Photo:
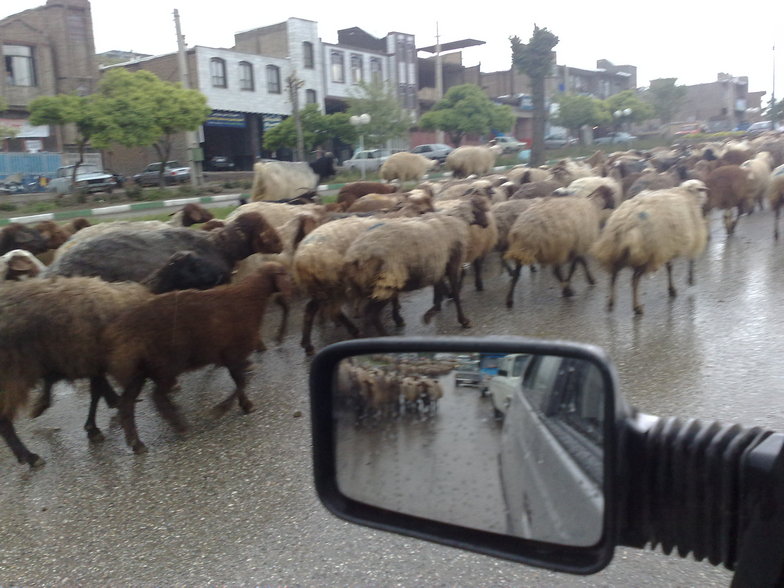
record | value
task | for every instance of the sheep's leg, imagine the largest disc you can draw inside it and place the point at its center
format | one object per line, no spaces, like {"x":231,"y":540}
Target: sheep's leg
{"x":346,"y":322}
{"x":45,"y":400}
{"x":613,"y":280}
{"x":396,"y":316}
{"x":453,"y":279}
{"x":23,"y":455}
{"x":99,"y":388}
{"x":505,"y":265}
{"x":126,"y":408}
{"x":731,"y":220}
{"x":311,"y":308}
{"x":478,"y":284}
{"x":439,"y":292}
{"x":691,"y":272}
{"x":284,"y":307}
{"x":512,"y":284}
{"x":566,"y":289}
{"x":638,"y":273}
{"x":373,"y":314}
{"x":237,"y":372}
{"x":588,"y":276}
{"x":776,"y":223}
{"x":670,"y":286}
{"x":163,"y":404}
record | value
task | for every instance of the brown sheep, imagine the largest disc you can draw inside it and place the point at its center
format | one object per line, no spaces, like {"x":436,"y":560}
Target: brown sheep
{"x":730,"y":187}
{"x":19,"y":236}
{"x":168,"y":335}
{"x":354,"y":190}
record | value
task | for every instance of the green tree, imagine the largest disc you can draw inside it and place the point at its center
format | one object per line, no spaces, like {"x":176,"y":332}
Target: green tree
{"x":774,"y":110}
{"x":140,"y":109}
{"x":466,"y":109}
{"x":628,"y":99}
{"x":318,"y":130}
{"x":388,"y":120}
{"x":576,"y":110}
{"x":81,"y":111}
{"x":666,"y":98}
{"x":536,"y":59}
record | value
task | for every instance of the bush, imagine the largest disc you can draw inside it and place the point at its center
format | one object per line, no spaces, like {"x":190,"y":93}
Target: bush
{"x":8,"y":206}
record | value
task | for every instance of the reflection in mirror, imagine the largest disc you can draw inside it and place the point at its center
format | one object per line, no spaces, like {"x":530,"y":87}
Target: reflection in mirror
{"x":414,"y":435}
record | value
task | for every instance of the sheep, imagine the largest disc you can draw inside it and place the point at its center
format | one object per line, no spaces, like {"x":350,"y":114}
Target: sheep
{"x":554,"y":231}
{"x":658,"y":181}
{"x":410,"y":203}
{"x":54,"y":235}
{"x":776,"y":196}
{"x":378,"y":268}
{"x":405,"y":167}
{"x":282,"y":180}
{"x":566,"y":171}
{"x":650,"y":230}
{"x":730,"y":187}
{"x":472,"y":159}
{"x":521,"y":174}
{"x":167,"y":335}
{"x":354,"y":190}
{"x":51,"y":329}
{"x":19,"y":236}
{"x":588,"y":184}
{"x":759,"y":175}
{"x":536,"y":189}
{"x":18,"y":265}
{"x":131,"y":255}
{"x":324,"y":167}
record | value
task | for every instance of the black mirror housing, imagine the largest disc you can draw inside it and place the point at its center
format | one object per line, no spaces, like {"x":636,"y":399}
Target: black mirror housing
{"x":577,"y":559}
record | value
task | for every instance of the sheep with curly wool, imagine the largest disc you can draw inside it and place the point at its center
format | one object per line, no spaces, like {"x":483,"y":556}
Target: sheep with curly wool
{"x":554,"y":231}
{"x":379,"y":269}
{"x":168,"y":335}
{"x":472,"y":160}
{"x":131,"y":255}
{"x":652,"y":229}
{"x":730,"y":189}
{"x":759,"y":169}
{"x":406,"y":167}
{"x":776,"y":196}
{"x":50,"y":329}
{"x":282,"y":180}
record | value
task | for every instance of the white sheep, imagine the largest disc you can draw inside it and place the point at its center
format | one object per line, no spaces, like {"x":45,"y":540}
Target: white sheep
{"x":19,"y":265}
{"x":472,"y":160}
{"x":554,"y":231}
{"x":650,"y":230}
{"x":776,"y":196}
{"x":588,"y":184}
{"x":406,"y":167}
{"x":283,"y":180}
{"x":759,"y":169}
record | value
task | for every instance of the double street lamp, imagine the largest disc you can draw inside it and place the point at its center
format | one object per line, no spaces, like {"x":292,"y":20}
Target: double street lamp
{"x":360,"y":121}
{"x":619,"y":116}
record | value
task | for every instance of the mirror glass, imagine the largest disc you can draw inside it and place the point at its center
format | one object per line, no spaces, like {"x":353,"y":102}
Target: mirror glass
{"x":507,"y":443}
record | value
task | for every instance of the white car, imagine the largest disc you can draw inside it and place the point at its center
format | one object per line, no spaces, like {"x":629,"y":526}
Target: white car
{"x":89,"y":178}
{"x":369,"y":159}
{"x":503,"y":385}
{"x":509,"y":144}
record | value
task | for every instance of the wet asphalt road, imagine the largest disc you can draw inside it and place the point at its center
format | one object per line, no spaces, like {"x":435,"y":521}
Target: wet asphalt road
{"x":232,"y":503}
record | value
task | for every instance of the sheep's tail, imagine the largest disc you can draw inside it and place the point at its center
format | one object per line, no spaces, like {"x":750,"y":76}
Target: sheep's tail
{"x":374,"y":277}
{"x":525,"y":257}
{"x":618,"y":248}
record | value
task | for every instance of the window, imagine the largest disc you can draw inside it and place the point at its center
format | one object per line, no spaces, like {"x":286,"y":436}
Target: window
{"x":19,"y":65}
{"x":307,"y":55}
{"x":310,"y":97}
{"x":246,"y":76}
{"x":218,"y":72}
{"x":356,"y":69}
{"x":273,"y":79}
{"x":338,"y":73}
{"x":375,"y":70}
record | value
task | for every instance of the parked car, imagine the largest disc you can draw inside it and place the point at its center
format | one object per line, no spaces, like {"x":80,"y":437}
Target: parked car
{"x":558,"y":141}
{"x":615,"y":138}
{"x":89,"y":178}
{"x":468,"y":373}
{"x":760,"y":127}
{"x":220,"y":163}
{"x":437,"y":151}
{"x":509,"y":144}
{"x":173,"y":173}
{"x":369,"y":159}
{"x":502,"y":386}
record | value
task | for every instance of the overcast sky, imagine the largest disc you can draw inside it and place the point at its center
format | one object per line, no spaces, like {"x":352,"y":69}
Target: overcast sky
{"x":691,"y":41}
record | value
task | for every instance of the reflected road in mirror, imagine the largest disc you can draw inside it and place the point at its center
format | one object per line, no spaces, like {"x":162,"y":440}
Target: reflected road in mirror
{"x":414,"y":436}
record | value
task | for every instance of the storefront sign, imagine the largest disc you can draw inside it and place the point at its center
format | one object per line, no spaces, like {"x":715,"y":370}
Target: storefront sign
{"x":222,"y":118}
{"x":22,"y":129}
{"x":271,"y":120}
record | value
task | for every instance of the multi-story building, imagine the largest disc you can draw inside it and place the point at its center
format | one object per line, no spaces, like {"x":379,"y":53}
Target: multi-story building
{"x":46,"y":51}
{"x":721,"y":105}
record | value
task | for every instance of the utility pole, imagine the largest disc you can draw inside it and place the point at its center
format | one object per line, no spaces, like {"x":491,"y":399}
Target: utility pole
{"x":439,"y":81}
{"x":191,"y":140}
{"x":294,"y":84}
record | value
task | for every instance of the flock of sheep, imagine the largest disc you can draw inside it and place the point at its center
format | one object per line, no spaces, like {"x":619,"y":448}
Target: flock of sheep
{"x":150,"y":300}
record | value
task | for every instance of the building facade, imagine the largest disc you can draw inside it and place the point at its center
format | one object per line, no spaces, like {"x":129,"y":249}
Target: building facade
{"x":46,"y":51}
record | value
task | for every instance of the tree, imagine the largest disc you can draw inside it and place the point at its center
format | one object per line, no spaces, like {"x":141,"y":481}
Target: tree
{"x":387,"y":119}
{"x":775,"y":110}
{"x":576,"y":110}
{"x":628,"y":99}
{"x":317,"y":129}
{"x":81,"y":111}
{"x":666,"y":98}
{"x":466,"y":109}
{"x":140,"y":110}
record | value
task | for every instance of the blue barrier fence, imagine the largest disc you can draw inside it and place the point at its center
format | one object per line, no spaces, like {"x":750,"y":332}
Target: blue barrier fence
{"x":29,"y":164}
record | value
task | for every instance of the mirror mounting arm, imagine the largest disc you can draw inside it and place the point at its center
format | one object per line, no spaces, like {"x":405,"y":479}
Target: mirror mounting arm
{"x":715,"y":491}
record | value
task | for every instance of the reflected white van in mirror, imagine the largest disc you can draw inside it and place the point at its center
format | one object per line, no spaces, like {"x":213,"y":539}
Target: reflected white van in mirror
{"x":411,"y":438}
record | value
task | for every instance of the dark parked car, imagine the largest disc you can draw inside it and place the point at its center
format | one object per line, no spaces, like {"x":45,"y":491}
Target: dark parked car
{"x":220,"y":163}
{"x":173,"y":173}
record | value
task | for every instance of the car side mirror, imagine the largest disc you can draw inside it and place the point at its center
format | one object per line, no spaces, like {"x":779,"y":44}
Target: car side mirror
{"x":399,"y":447}
{"x":502,"y":373}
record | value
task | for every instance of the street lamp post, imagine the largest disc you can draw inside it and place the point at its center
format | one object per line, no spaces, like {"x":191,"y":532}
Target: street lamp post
{"x":359,"y":122}
{"x":619,"y":116}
